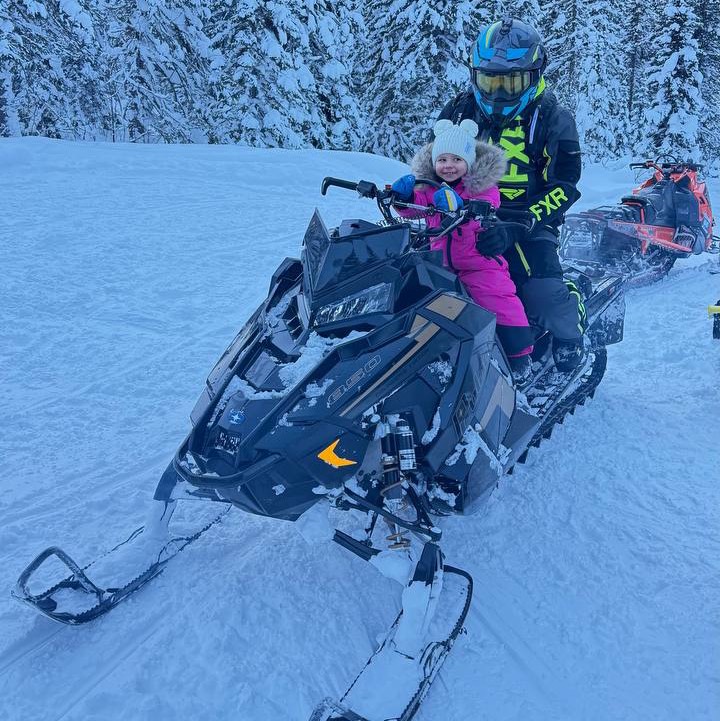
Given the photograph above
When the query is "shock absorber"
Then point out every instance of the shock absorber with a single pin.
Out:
(405, 446)
(398, 457)
(392, 479)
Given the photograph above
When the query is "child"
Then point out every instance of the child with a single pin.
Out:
(470, 170)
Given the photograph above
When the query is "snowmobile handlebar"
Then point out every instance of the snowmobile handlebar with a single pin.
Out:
(644, 164)
(522, 218)
(479, 210)
(364, 188)
(667, 168)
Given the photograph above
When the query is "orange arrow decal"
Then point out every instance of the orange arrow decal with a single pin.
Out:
(332, 459)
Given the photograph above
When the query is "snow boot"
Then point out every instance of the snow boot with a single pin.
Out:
(521, 367)
(568, 354)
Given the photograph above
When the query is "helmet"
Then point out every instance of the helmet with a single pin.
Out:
(508, 60)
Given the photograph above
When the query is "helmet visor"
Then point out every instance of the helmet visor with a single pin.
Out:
(511, 84)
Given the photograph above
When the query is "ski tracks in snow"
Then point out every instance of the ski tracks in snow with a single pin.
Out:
(51, 649)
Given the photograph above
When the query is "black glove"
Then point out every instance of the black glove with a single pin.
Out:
(498, 237)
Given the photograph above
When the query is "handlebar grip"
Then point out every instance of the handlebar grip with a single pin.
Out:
(337, 182)
(511, 214)
(364, 188)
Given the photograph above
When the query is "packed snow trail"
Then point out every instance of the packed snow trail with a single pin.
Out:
(124, 272)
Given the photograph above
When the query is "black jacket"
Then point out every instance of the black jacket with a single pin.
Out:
(543, 153)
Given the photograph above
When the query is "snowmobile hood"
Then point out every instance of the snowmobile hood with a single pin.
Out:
(291, 410)
(274, 449)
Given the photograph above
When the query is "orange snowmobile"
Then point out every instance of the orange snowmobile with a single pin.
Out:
(668, 216)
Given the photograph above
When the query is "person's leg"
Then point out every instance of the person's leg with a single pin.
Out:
(550, 302)
(551, 305)
(491, 288)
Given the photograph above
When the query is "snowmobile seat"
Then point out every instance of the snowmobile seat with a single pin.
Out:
(649, 204)
(630, 212)
(634, 199)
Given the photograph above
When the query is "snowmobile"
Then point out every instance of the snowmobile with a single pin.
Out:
(668, 216)
(368, 386)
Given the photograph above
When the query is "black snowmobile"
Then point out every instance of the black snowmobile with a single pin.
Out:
(367, 382)
(668, 216)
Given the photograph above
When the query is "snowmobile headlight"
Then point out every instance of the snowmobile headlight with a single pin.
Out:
(372, 300)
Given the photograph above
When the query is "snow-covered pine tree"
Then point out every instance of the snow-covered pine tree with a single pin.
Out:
(48, 51)
(11, 48)
(283, 79)
(674, 104)
(333, 44)
(633, 70)
(708, 32)
(163, 58)
(415, 55)
(600, 110)
(558, 28)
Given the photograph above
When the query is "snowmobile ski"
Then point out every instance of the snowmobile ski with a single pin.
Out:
(76, 599)
(393, 682)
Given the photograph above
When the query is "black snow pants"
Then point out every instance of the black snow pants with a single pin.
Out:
(536, 271)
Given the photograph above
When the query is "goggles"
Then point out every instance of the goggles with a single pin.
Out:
(511, 83)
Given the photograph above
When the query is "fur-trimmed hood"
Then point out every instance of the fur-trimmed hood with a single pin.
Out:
(489, 166)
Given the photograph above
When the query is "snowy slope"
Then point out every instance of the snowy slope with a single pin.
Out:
(124, 272)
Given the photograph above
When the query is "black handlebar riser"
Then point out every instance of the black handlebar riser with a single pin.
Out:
(427, 181)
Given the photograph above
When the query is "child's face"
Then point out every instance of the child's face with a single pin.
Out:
(450, 167)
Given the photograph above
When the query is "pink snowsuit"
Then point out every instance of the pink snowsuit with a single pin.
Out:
(487, 280)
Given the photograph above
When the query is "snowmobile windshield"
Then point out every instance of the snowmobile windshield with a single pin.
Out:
(511, 84)
(354, 249)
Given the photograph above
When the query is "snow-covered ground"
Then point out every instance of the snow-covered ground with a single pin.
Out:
(124, 272)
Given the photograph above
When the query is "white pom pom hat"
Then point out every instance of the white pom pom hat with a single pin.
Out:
(455, 139)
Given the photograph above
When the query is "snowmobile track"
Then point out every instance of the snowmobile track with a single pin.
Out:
(585, 389)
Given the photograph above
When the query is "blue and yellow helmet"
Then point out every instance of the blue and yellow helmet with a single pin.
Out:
(508, 59)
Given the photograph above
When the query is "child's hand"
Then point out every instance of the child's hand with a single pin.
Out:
(447, 199)
(404, 188)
